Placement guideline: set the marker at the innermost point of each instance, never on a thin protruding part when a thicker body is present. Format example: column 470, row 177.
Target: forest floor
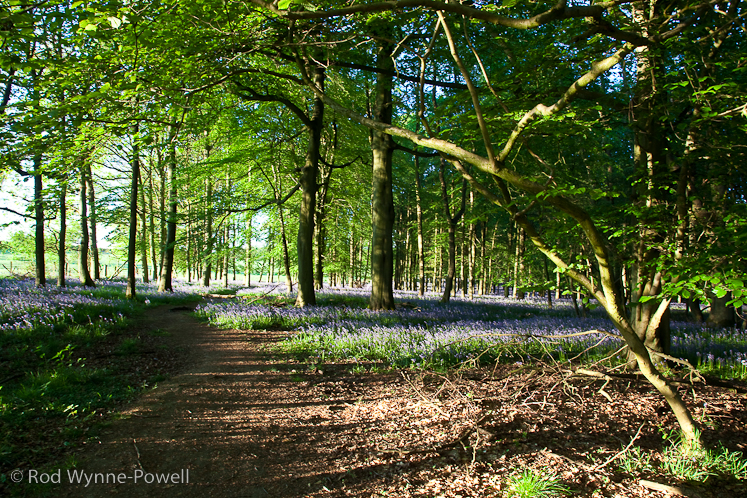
column 248, row 421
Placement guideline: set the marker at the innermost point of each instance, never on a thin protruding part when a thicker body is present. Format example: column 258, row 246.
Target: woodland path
column 248, row 421
column 240, row 419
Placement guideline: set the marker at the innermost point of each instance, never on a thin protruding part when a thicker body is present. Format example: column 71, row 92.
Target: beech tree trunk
column 309, row 173
column 167, row 268
column 472, row 254
column 40, row 267
column 144, row 236
column 61, row 260
column 152, row 223
column 452, row 221
column 419, row 220
column 382, row 250
column 85, row 274
column 209, row 239
column 321, row 232
column 94, row 245
column 721, row 315
column 130, row 292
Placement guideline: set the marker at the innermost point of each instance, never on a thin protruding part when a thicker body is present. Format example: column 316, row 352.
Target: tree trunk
column 472, row 249
column 162, row 210
column 94, row 244
column 320, row 230
column 720, row 314
column 209, row 239
column 309, row 172
column 382, row 251
column 419, row 219
column 63, row 236
column 167, row 268
column 226, row 253
column 452, row 221
column 85, row 274
column 40, row 270
column 650, row 319
column 152, row 222
column 352, row 256
column 286, row 256
column 248, row 263
column 144, row 236
column 132, row 242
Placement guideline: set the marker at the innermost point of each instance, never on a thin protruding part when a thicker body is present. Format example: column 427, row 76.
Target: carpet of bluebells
column 47, row 387
column 25, row 308
column 425, row 332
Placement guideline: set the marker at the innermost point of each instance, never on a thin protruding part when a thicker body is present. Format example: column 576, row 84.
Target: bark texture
column 84, row 272
column 167, row 269
column 382, row 251
column 130, row 292
column 309, row 172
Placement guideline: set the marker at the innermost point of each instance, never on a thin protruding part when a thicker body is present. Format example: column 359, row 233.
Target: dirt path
column 244, row 421
column 228, row 421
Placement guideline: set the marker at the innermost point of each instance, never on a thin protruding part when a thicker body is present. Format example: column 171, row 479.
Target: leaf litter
column 247, row 420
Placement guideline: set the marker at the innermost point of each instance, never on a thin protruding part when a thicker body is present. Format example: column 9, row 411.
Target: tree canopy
column 391, row 139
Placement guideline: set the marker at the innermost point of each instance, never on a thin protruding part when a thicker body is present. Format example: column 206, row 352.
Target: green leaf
column 720, row 292
column 284, row 4
column 115, row 22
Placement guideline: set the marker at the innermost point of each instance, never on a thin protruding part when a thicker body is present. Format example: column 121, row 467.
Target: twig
column 693, row 370
column 137, row 451
column 422, row 396
column 592, row 373
column 620, row 453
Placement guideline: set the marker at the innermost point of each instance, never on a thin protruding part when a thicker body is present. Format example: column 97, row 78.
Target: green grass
column 130, row 345
column 532, row 484
column 694, row 463
column 49, row 394
column 685, row 462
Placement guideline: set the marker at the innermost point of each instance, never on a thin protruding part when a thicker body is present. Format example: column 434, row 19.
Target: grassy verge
column 67, row 360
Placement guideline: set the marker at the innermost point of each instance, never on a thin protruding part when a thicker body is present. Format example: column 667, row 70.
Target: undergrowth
column 49, row 395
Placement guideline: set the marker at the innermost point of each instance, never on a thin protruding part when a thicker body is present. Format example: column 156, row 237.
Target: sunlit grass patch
column 689, row 462
column 532, row 484
column 49, row 393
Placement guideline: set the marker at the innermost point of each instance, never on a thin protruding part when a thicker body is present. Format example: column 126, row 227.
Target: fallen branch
column 675, row 490
column 262, row 295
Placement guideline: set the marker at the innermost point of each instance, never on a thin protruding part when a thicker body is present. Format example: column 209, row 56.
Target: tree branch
column 370, row 69
column 7, row 92
column 254, row 96
column 339, row 166
column 415, row 152
column 268, row 203
column 558, row 12
column 597, row 68
column 29, row 217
